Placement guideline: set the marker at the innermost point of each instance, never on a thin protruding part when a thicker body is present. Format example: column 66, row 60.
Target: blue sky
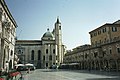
column 78, row 18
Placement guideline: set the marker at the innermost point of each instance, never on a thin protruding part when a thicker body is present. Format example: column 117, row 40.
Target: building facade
column 104, row 51
column 45, row 52
column 7, row 37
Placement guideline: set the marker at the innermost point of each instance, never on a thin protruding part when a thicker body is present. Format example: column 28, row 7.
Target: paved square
column 47, row 74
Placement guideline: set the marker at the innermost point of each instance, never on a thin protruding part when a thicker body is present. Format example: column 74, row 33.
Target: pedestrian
column 89, row 69
column 1, row 70
column 21, row 77
column 28, row 70
column 104, row 68
column 6, row 66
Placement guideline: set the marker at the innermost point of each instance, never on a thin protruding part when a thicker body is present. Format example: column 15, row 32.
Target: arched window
column 32, row 55
column 95, row 54
column 59, row 27
column 118, row 50
column 19, row 52
column 39, row 55
column 46, row 64
column 4, row 58
column 50, row 57
column 10, row 64
column 86, row 55
column 44, row 58
column 46, row 51
column 53, row 51
column 11, row 53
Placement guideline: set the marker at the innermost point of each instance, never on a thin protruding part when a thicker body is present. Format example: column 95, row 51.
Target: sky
column 77, row 17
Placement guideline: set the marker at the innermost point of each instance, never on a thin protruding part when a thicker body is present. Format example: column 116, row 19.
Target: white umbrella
column 29, row 64
column 19, row 65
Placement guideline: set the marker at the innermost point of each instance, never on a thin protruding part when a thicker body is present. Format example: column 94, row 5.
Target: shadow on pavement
column 104, row 79
column 113, row 75
column 105, row 73
column 50, row 70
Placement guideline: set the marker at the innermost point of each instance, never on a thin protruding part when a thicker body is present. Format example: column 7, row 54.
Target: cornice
column 8, row 12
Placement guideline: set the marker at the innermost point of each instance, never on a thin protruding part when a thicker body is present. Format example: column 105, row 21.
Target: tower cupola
column 58, row 21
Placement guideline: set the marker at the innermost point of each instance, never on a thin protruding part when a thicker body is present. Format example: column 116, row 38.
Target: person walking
column 6, row 66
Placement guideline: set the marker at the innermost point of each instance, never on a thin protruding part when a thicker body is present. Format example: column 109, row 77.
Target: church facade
column 45, row 52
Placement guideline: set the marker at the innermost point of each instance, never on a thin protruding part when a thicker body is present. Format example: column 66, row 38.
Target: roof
column 48, row 34
column 117, row 22
column 58, row 21
column 107, row 24
column 28, row 41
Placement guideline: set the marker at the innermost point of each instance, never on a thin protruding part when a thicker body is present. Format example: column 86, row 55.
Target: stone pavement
column 47, row 74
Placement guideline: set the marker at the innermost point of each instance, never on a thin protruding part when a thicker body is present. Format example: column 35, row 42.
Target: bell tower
column 58, row 41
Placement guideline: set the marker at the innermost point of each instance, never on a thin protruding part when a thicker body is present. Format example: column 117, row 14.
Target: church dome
column 48, row 35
